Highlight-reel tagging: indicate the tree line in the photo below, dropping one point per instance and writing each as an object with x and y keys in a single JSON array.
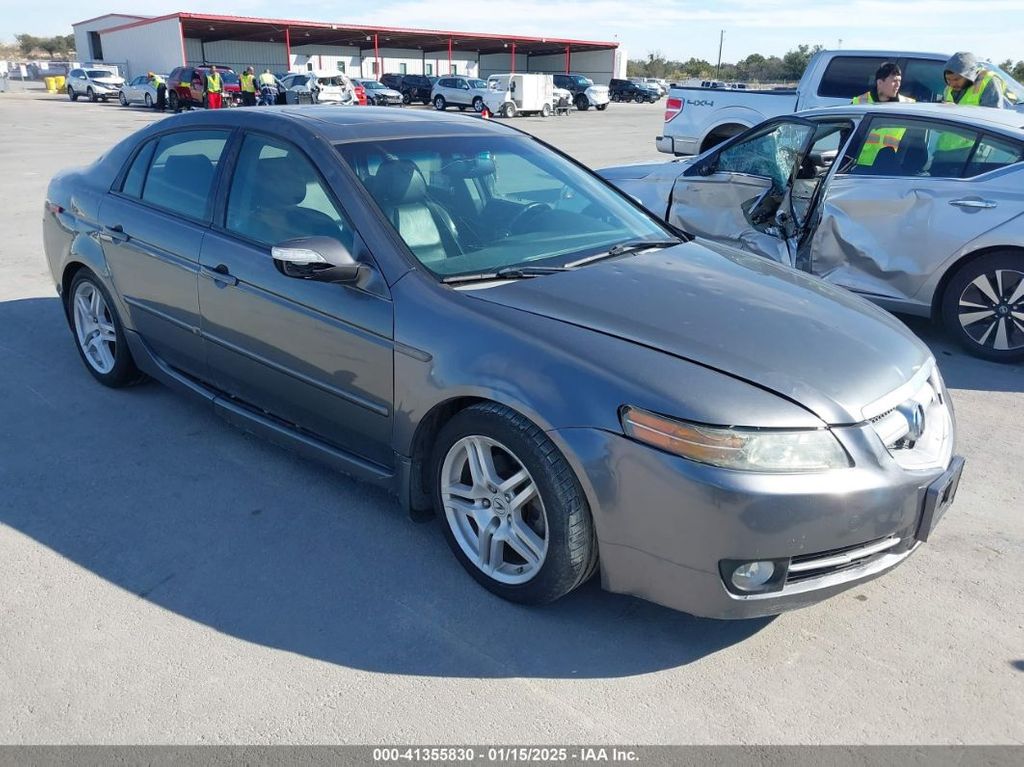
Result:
[
  {"x": 755, "y": 68},
  {"x": 59, "y": 45}
]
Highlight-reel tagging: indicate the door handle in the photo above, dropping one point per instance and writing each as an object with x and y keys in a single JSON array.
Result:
[
  {"x": 218, "y": 274},
  {"x": 114, "y": 234},
  {"x": 973, "y": 203}
]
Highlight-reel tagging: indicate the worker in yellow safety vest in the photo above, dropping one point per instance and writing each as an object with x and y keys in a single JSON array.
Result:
[
  {"x": 968, "y": 84},
  {"x": 888, "y": 80},
  {"x": 161, "y": 91},
  {"x": 268, "y": 88},
  {"x": 214, "y": 87},
  {"x": 248, "y": 87}
]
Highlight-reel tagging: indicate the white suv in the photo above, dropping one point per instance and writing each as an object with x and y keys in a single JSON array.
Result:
[
  {"x": 93, "y": 83},
  {"x": 459, "y": 92}
]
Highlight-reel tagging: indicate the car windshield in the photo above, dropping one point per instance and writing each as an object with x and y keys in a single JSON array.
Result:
[
  {"x": 97, "y": 73},
  {"x": 581, "y": 80},
  {"x": 335, "y": 80},
  {"x": 477, "y": 84},
  {"x": 372, "y": 85},
  {"x": 470, "y": 205}
]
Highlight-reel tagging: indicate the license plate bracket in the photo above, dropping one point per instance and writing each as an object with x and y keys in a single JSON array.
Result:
[{"x": 939, "y": 497}]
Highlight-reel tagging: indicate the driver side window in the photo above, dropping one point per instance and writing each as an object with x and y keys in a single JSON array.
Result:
[{"x": 771, "y": 154}]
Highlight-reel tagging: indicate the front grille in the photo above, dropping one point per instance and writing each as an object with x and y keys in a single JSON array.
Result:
[{"x": 806, "y": 567}]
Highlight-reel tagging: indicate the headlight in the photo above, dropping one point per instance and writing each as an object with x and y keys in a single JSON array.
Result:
[{"x": 743, "y": 449}]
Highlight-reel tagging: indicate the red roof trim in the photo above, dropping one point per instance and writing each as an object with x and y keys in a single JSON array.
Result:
[
  {"x": 107, "y": 15},
  {"x": 361, "y": 28}
]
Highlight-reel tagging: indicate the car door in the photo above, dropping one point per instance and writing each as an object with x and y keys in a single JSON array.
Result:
[
  {"x": 887, "y": 227},
  {"x": 314, "y": 354},
  {"x": 734, "y": 193},
  {"x": 153, "y": 224}
]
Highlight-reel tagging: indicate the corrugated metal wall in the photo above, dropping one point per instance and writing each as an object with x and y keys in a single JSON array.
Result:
[
  {"x": 149, "y": 47},
  {"x": 239, "y": 54},
  {"x": 501, "y": 63},
  {"x": 599, "y": 66}
]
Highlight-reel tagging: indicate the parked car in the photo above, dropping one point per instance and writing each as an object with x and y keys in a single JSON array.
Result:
[
  {"x": 392, "y": 80},
  {"x": 928, "y": 225},
  {"x": 186, "y": 87},
  {"x": 461, "y": 92},
  {"x": 138, "y": 91},
  {"x": 451, "y": 309},
  {"x": 696, "y": 120},
  {"x": 378, "y": 94},
  {"x": 625, "y": 90},
  {"x": 416, "y": 88},
  {"x": 649, "y": 82},
  {"x": 584, "y": 93},
  {"x": 324, "y": 87},
  {"x": 94, "y": 84}
]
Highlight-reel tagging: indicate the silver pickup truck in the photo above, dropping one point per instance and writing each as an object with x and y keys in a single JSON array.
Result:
[{"x": 697, "y": 119}]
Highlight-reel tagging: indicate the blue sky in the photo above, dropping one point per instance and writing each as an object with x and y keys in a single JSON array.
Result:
[{"x": 679, "y": 30}]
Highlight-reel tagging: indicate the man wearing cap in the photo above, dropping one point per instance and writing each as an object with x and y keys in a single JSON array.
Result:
[
  {"x": 969, "y": 84},
  {"x": 248, "y": 87},
  {"x": 161, "y": 90}
]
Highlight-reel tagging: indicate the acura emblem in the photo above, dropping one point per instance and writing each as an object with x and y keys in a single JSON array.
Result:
[{"x": 914, "y": 413}]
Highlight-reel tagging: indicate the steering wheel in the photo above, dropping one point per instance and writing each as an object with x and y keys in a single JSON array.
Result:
[{"x": 530, "y": 210}]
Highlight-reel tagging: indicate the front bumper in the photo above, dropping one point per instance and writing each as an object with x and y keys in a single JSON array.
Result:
[
  {"x": 664, "y": 524},
  {"x": 105, "y": 90}
]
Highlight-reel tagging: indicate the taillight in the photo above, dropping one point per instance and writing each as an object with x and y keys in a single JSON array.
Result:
[{"x": 672, "y": 108}]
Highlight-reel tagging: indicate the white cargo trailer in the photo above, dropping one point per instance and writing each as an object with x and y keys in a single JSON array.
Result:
[{"x": 512, "y": 94}]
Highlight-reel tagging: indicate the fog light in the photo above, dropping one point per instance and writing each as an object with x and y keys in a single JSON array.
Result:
[{"x": 751, "y": 576}]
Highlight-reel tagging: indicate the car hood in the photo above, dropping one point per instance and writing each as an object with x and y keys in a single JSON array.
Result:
[{"x": 785, "y": 331}]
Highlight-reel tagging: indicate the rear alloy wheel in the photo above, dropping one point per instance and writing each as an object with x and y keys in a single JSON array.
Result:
[
  {"x": 615, "y": 97},
  {"x": 91, "y": 94},
  {"x": 512, "y": 510},
  {"x": 440, "y": 104},
  {"x": 983, "y": 306},
  {"x": 478, "y": 104},
  {"x": 122, "y": 99},
  {"x": 99, "y": 333},
  {"x": 71, "y": 94}
]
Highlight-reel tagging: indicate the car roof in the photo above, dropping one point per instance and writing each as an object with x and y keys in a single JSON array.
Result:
[
  {"x": 978, "y": 117},
  {"x": 345, "y": 124}
]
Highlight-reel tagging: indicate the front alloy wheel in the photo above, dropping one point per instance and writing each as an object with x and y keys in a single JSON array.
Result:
[
  {"x": 439, "y": 104},
  {"x": 512, "y": 510},
  {"x": 983, "y": 306}
]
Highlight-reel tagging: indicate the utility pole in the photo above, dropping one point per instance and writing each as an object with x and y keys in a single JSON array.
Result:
[{"x": 718, "y": 69}]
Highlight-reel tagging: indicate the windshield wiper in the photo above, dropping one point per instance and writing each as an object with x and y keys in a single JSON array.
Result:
[
  {"x": 625, "y": 247},
  {"x": 507, "y": 273}
]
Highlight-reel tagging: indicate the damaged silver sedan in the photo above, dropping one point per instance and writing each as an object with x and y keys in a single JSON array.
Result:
[{"x": 916, "y": 207}]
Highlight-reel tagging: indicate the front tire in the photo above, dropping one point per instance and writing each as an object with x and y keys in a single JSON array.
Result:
[
  {"x": 582, "y": 103},
  {"x": 71, "y": 94},
  {"x": 91, "y": 94},
  {"x": 983, "y": 306},
  {"x": 545, "y": 111},
  {"x": 440, "y": 104},
  {"x": 478, "y": 104},
  {"x": 512, "y": 510},
  {"x": 122, "y": 99},
  {"x": 407, "y": 98},
  {"x": 509, "y": 110},
  {"x": 601, "y": 107},
  {"x": 99, "y": 334}
]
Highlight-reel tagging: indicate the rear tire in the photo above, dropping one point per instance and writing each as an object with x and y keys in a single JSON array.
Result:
[
  {"x": 98, "y": 333},
  {"x": 582, "y": 103},
  {"x": 509, "y": 110},
  {"x": 537, "y": 532},
  {"x": 122, "y": 99},
  {"x": 406, "y": 98},
  {"x": 440, "y": 104},
  {"x": 545, "y": 111},
  {"x": 601, "y": 107},
  {"x": 983, "y": 306},
  {"x": 148, "y": 99},
  {"x": 173, "y": 101},
  {"x": 478, "y": 104}
]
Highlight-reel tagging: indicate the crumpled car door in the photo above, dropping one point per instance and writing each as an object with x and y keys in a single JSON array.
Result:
[{"x": 734, "y": 194}]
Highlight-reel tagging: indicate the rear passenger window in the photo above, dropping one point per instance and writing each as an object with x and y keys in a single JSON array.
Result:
[
  {"x": 180, "y": 177},
  {"x": 902, "y": 147},
  {"x": 923, "y": 80},
  {"x": 992, "y": 154},
  {"x": 136, "y": 175},
  {"x": 849, "y": 76}
]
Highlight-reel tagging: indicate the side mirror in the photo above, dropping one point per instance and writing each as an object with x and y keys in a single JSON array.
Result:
[{"x": 323, "y": 259}]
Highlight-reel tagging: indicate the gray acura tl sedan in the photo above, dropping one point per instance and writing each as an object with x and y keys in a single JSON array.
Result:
[{"x": 452, "y": 309}]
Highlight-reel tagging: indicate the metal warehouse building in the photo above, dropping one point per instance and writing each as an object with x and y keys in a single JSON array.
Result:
[{"x": 139, "y": 44}]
